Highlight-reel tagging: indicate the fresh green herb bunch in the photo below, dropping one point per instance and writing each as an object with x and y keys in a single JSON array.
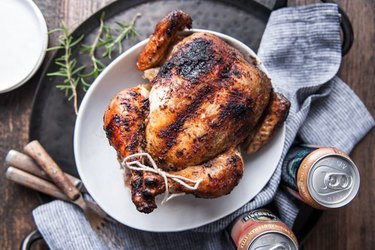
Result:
[
  {"x": 122, "y": 31},
  {"x": 97, "y": 65},
  {"x": 108, "y": 38},
  {"x": 68, "y": 68}
]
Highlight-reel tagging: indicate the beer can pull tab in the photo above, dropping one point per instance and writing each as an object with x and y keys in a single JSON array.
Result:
[
  {"x": 337, "y": 181},
  {"x": 276, "y": 246},
  {"x": 280, "y": 246}
]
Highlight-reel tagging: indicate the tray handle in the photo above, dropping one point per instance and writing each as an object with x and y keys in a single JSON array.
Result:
[
  {"x": 347, "y": 29},
  {"x": 346, "y": 25},
  {"x": 30, "y": 239},
  {"x": 280, "y": 4}
]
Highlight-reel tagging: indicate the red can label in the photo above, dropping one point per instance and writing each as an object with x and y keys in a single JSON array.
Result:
[{"x": 256, "y": 223}]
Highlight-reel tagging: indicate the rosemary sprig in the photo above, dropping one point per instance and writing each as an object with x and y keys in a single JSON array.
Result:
[
  {"x": 107, "y": 38},
  {"x": 98, "y": 66},
  {"x": 124, "y": 31},
  {"x": 68, "y": 65}
]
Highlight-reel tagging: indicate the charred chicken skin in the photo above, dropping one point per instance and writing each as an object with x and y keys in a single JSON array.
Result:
[{"x": 205, "y": 101}]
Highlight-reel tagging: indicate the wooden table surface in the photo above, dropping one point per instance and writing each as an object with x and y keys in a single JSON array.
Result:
[{"x": 348, "y": 228}]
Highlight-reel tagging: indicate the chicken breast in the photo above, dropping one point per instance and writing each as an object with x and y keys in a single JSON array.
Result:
[{"x": 205, "y": 98}]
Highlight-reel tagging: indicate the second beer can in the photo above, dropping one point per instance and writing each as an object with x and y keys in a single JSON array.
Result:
[
  {"x": 260, "y": 230},
  {"x": 324, "y": 177}
]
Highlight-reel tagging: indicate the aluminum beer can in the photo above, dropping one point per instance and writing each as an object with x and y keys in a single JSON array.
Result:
[
  {"x": 261, "y": 229},
  {"x": 324, "y": 177}
]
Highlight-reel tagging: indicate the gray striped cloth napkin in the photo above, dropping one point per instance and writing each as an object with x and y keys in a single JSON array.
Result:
[{"x": 301, "y": 48}]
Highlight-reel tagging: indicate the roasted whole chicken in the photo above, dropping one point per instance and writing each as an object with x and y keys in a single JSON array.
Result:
[{"x": 204, "y": 101}]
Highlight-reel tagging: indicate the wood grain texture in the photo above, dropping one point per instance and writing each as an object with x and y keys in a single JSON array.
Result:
[
  {"x": 26, "y": 163},
  {"x": 35, "y": 150},
  {"x": 18, "y": 202},
  {"x": 31, "y": 181},
  {"x": 352, "y": 226},
  {"x": 346, "y": 228}
]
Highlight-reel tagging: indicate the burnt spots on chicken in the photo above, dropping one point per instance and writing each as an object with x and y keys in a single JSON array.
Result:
[
  {"x": 236, "y": 108},
  {"x": 225, "y": 72},
  {"x": 144, "y": 189},
  {"x": 133, "y": 145},
  {"x": 233, "y": 54},
  {"x": 126, "y": 103},
  {"x": 134, "y": 93},
  {"x": 179, "y": 153},
  {"x": 197, "y": 59},
  {"x": 236, "y": 72},
  {"x": 138, "y": 172},
  {"x": 172, "y": 142},
  {"x": 214, "y": 124},
  {"x": 170, "y": 167},
  {"x": 116, "y": 120},
  {"x": 232, "y": 161},
  {"x": 136, "y": 183},
  {"x": 145, "y": 207},
  {"x": 151, "y": 182},
  {"x": 126, "y": 123},
  {"x": 207, "y": 164},
  {"x": 209, "y": 177},
  {"x": 237, "y": 174},
  {"x": 172, "y": 24},
  {"x": 112, "y": 126},
  {"x": 142, "y": 201},
  {"x": 146, "y": 104},
  {"x": 192, "y": 61},
  {"x": 171, "y": 132},
  {"x": 146, "y": 193},
  {"x": 202, "y": 137},
  {"x": 233, "y": 110},
  {"x": 109, "y": 131}
]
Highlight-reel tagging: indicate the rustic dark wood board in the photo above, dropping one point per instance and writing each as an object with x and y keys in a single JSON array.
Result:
[
  {"x": 352, "y": 226},
  {"x": 347, "y": 228}
]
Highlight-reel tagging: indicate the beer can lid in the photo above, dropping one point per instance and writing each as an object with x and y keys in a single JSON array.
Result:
[
  {"x": 333, "y": 181},
  {"x": 273, "y": 240}
]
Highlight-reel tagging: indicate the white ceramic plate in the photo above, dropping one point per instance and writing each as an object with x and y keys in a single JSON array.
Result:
[
  {"x": 23, "y": 43},
  {"x": 100, "y": 172}
]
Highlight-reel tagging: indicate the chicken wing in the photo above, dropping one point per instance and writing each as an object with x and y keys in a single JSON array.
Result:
[
  {"x": 273, "y": 117},
  {"x": 160, "y": 40}
]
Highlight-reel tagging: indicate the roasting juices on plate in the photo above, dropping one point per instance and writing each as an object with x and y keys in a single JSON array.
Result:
[
  {"x": 181, "y": 132},
  {"x": 322, "y": 177},
  {"x": 260, "y": 229}
]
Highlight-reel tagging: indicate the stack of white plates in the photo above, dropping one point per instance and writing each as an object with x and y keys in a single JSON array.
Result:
[{"x": 23, "y": 42}]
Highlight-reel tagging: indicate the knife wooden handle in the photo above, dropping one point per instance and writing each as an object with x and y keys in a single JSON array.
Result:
[
  {"x": 39, "y": 154},
  {"x": 26, "y": 163},
  {"x": 28, "y": 180}
]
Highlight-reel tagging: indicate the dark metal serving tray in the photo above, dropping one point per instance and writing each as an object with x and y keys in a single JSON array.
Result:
[{"x": 53, "y": 119}]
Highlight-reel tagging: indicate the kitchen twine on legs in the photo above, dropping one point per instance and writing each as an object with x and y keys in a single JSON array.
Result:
[{"x": 138, "y": 166}]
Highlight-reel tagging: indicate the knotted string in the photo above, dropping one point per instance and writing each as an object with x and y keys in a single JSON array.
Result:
[{"x": 138, "y": 166}]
